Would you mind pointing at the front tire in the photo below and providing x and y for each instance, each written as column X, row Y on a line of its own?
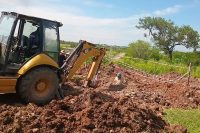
column 38, row 86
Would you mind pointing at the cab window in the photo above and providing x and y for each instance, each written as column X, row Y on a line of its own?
column 51, row 39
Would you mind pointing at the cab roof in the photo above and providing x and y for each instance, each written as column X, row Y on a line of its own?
column 18, row 15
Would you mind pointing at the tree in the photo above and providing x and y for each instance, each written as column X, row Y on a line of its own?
column 167, row 35
column 139, row 49
column 189, row 37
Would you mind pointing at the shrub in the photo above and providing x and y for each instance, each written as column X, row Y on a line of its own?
column 139, row 49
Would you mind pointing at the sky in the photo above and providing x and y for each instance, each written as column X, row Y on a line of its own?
column 106, row 21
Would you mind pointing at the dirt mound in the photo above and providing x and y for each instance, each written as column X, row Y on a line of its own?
column 135, row 106
column 164, row 89
column 89, row 112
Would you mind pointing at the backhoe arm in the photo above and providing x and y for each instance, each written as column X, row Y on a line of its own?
column 84, row 51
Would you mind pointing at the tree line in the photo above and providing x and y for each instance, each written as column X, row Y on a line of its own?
column 144, row 50
column 166, row 35
column 106, row 46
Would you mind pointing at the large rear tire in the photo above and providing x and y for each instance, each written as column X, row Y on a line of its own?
column 38, row 86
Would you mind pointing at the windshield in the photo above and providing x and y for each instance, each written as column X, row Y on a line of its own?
column 6, row 23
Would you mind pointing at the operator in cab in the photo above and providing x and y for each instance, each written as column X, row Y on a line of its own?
column 62, row 58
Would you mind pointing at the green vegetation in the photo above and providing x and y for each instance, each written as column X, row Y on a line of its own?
column 186, row 58
column 139, row 49
column 187, row 118
column 166, row 35
column 68, row 44
column 141, row 55
column 153, row 67
column 64, row 46
column 143, row 50
column 110, row 50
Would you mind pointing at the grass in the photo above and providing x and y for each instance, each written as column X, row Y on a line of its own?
column 188, row 118
column 64, row 46
column 153, row 67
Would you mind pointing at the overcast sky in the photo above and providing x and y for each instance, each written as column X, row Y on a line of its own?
column 106, row 21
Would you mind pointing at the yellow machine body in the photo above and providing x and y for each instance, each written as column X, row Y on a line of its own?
column 38, row 60
column 8, row 83
column 86, row 52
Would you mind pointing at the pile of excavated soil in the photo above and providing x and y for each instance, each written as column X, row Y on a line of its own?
column 135, row 106
column 90, row 111
column 165, row 90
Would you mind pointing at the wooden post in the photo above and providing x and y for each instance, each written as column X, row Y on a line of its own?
column 189, row 74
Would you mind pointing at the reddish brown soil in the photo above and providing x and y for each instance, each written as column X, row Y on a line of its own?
column 135, row 106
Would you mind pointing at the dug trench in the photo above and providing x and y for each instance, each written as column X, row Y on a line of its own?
column 136, row 106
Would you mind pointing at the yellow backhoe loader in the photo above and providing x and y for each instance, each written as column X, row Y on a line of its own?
column 29, row 56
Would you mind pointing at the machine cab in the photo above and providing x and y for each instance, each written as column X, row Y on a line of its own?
column 23, row 37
